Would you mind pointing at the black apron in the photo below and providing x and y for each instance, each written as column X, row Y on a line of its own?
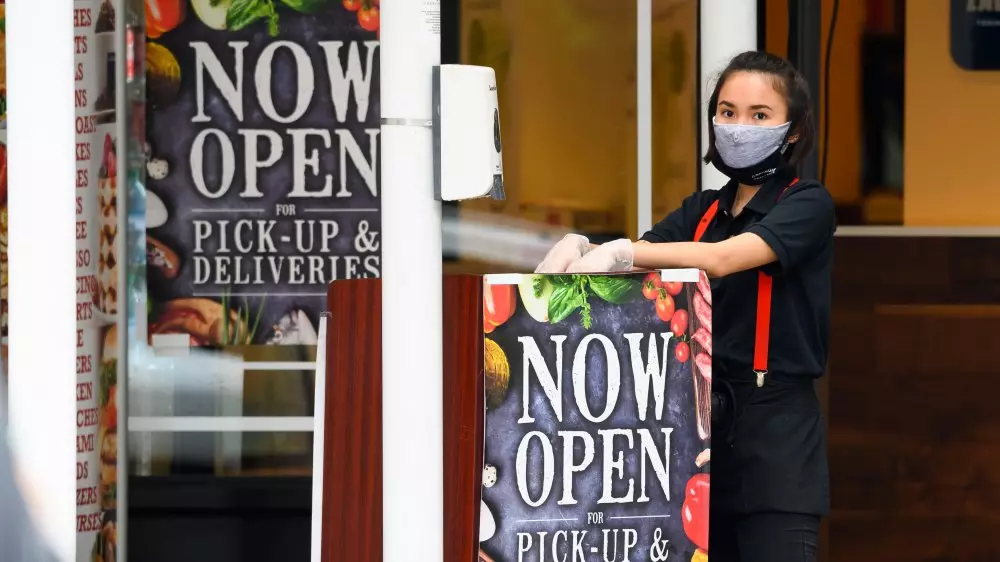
column 769, row 453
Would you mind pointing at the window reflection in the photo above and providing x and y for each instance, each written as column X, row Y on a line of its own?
column 566, row 74
column 676, row 112
column 266, row 392
column 865, row 156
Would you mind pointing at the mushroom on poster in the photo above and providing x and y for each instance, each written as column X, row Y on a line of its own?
column 652, row 447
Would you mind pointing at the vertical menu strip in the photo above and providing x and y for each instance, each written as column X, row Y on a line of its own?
column 88, row 515
column 96, row 279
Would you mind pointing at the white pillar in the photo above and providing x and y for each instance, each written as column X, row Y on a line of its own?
column 728, row 27
column 412, row 442
column 42, row 250
column 319, row 442
column 644, row 115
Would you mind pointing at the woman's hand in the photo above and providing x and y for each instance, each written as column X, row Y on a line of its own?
column 568, row 250
column 617, row 255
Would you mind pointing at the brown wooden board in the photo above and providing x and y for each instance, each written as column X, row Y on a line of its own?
column 352, row 468
column 464, row 406
column 914, row 438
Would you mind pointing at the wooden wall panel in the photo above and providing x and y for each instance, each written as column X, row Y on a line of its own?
column 352, row 474
column 464, row 410
column 352, row 468
column 914, row 426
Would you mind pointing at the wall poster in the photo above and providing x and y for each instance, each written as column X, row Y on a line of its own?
column 263, row 161
column 975, row 34
column 598, row 397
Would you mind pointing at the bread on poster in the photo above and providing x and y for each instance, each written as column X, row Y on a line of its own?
column 105, row 547
column 207, row 322
column 108, row 427
column 162, row 258
column 159, row 256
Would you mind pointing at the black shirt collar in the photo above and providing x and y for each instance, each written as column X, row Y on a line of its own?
column 762, row 201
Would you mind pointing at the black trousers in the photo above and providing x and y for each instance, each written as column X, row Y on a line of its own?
column 763, row 537
column 769, row 472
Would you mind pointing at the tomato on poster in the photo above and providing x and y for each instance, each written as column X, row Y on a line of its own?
column 694, row 512
column 651, row 286
column 163, row 16
column 499, row 303
column 369, row 18
column 664, row 306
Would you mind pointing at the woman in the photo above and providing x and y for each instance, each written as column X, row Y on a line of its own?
column 766, row 240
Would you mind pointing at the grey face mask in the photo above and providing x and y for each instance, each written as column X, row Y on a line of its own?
column 744, row 146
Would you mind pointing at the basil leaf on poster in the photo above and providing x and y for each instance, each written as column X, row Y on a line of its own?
column 614, row 289
column 573, row 292
column 565, row 300
column 306, row 6
column 243, row 13
column 263, row 182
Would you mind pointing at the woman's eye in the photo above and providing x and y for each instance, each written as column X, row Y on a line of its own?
column 727, row 113
column 760, row 116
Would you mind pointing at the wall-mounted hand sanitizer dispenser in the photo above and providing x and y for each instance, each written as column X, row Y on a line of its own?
column 468, row 153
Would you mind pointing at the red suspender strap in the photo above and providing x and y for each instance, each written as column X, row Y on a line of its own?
column 762, row 332
column 706, row 220
column 762, row 336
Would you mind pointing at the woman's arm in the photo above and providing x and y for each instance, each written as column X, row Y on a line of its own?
column 718, row 259
column 793, row 230
column 745, row 251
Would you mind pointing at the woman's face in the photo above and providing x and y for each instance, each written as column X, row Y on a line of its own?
column 749, row 98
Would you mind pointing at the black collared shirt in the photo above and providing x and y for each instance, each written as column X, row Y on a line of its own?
column 798, row 224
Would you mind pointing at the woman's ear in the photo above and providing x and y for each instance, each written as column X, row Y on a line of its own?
column 793, row 138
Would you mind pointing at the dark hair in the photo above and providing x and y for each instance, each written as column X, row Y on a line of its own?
column 789, row 83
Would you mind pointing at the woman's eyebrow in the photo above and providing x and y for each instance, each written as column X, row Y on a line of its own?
column 724, row 103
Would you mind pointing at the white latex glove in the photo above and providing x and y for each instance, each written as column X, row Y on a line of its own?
column 616, row 255
column 566, row 251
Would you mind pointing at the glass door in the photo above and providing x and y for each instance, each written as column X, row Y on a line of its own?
column 575, row 155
